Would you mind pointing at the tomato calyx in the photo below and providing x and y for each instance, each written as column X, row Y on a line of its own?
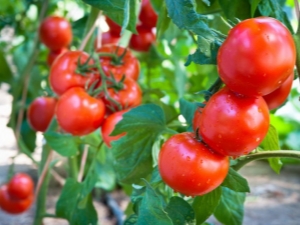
column 84, row 68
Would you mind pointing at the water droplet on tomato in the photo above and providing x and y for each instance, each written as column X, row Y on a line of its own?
column 188, row 158
column 279, row 82
column 257, row 139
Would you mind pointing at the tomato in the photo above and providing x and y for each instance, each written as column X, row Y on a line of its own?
column 40, row 113
column 142, row 41
column 20, row 186
column 128, row 65
column 106, row 39
column 78, row 113
column 196, row 118
column 114, row 28
column 52, row 55
column 109, row 125
column 55, row 32
column 233, row 124
column 189, row 166
column 257, row 57
column 129, row 96
column 277, row 97
column 63, row 75
column 11, row 205
column 148, row 16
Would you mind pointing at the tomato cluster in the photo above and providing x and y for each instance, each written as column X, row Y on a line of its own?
column 235, row 120
column 18, row 194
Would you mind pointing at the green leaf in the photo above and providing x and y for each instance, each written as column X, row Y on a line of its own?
column 254, row 5
column 152, row 210
column 232, row 9
column 64, row 144
column 78, row 209
column 205, row 205
column 123, row 12
column 28, row 135
column 271, row 142
column 131, row 220
column 163, row 21
column 230, row 210
column 5, row 72
column 187, row 109
column 207, row 7
column 143, row 126
column 236, row 182
column 155, row 177
column 180, row 211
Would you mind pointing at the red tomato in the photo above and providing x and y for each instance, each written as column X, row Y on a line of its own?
column 55, row 32
column 106, row 39
column 190, row 167
column 234, row 125
column 129, row 96
column 128, row 66
column 257, row 57
column 40, row 113
column 109, row 125
column 114, row 28
column 148, row 16
column 20, row 186
column 52, row 55
column 78, row 113
column 196, row 118
column 277, row 97
column 11, row 205
column 63, row 75
column 142, row 41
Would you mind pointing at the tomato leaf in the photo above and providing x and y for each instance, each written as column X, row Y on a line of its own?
column 236, row 182
column 5, row 72
column 64, row 144
column 254, row 5
column 180, row 211
column 236, row 9
column 123, row 12
column 133, row 152
column 72, row 205
column 271, row 142
column 131, row 220
column 163, row 21
column 230, row 210
column 205, row 205
column 187, row 109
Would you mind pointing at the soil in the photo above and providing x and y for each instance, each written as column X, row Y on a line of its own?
column 274, row 199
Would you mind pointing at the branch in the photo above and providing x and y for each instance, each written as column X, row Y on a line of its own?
column 82, row 163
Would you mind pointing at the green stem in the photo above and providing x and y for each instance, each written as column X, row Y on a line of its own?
column 216, row 86
column 296, row 37
column 73, row 167
column 265, row 155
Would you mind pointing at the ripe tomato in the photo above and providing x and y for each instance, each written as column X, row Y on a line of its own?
column 40, row 113
column 63, row 75
column 109, row 125
column 52, row 55
column 106, row 39
column 148, row 16
column 114, row 28
column 55, row 32
column 277, row 97
column 128, row 66
column 142, row 41
column 129, row 96
column 78, row 113
column 257, row 57
column 11, row 205
column 196, row 118
column 232, row 124
column 190, row 167
column 20, row 186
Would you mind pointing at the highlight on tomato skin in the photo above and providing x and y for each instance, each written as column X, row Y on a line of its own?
column 189, row 166
column 40, row 113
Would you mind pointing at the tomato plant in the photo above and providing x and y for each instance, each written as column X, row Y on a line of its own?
column 190, row 167
column 20, row 186
column 40, row 113
column 78, row 113
column 249, row 64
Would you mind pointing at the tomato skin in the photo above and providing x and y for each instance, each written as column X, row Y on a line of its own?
column 232, row 124
column 78, row 113
column 63, row 74
column 148, row 16
column 248, row 62
column 40, row 113
column 129, row 96
column 109, row 125
column 277, row 97
column 190, row 167
column 55, row 32
column 20, row 186
column 11, row 205
column 52, row 55
column 130, row 66
column 142, row 41
column 114, row 28
column 196, row 118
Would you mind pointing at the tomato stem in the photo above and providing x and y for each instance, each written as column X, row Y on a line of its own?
column 73, row 168
column 216, row 86
column 242, row 161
